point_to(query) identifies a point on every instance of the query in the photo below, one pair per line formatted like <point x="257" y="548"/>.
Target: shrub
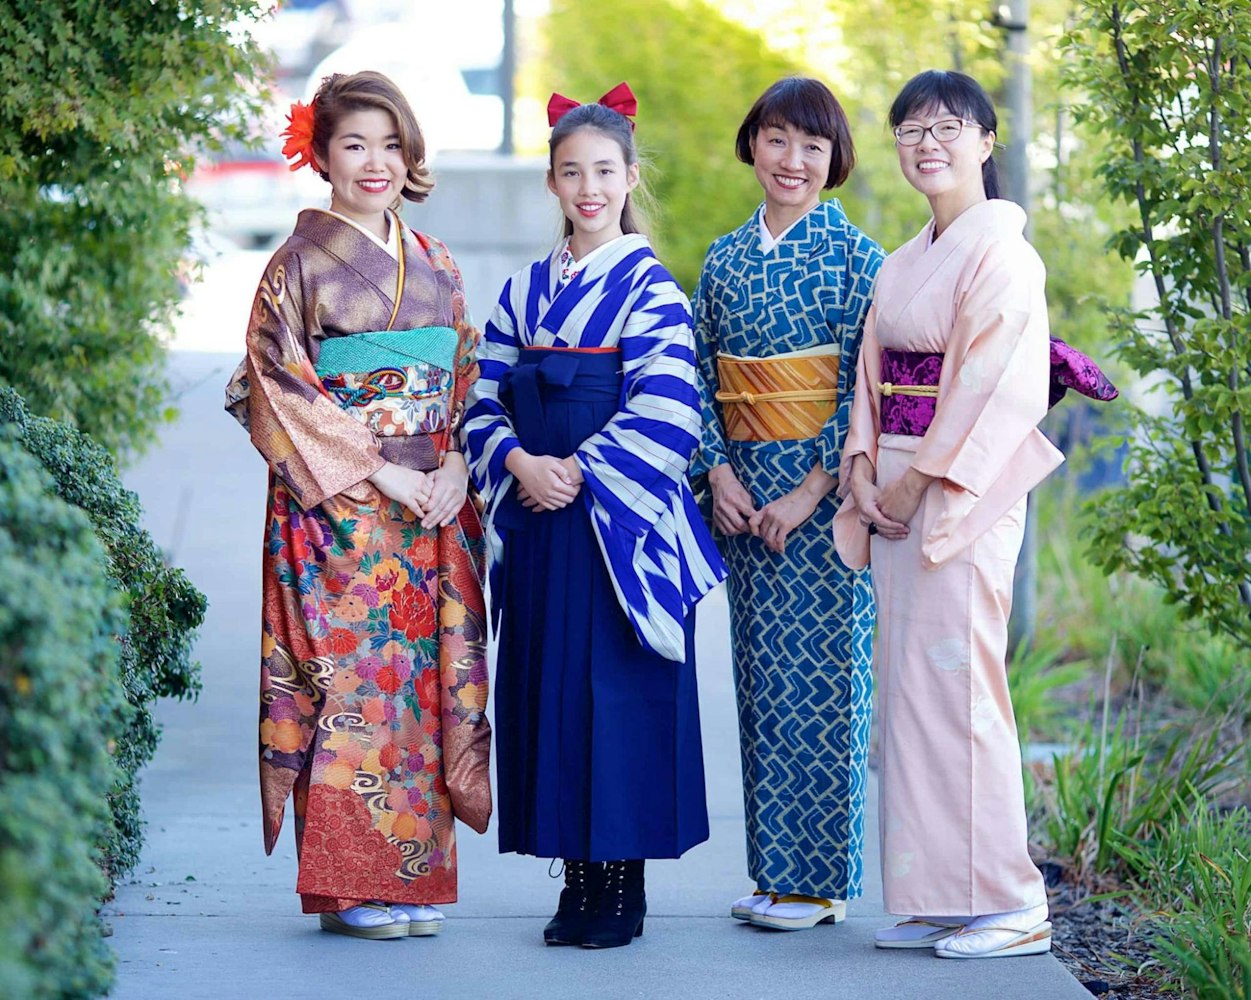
<point x="60" y="712"/>
<point x="1120" y="788"/>
<point x="164" y="608"/>
<point x="101" y="107"/>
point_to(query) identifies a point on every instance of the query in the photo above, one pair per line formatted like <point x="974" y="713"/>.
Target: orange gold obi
<point x="787" y="397"/>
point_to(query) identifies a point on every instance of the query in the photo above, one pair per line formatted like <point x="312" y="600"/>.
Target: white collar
<point x="767" y="240"/>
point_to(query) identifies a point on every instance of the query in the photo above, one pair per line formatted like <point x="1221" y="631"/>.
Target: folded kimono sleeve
<point x="994" y="381"/>
<point x="316" y="448"/>
<point x="633" y="465"/>
<point x="468" y="337"/>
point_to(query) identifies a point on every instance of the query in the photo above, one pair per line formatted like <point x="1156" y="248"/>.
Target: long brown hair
<point x="634" y="217"/>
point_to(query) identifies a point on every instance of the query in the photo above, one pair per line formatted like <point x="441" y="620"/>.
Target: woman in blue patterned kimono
<point x="779" y="315"/>
<point x="579" y="433"/>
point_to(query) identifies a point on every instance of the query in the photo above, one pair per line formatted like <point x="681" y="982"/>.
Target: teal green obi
<point x="396" y="382"/>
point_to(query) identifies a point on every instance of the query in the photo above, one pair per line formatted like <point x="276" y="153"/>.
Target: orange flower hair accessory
<point x="299" y="135"/>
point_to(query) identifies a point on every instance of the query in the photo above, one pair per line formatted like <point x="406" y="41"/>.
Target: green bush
<point x="1169" y="96"/>
<point x="101" y="107"/>
<point x="164" y="608"/>
<point x="60" y="712"/>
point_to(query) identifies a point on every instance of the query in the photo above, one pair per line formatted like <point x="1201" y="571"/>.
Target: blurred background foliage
<point x="102" y="109"/>
<point x="698" y="67"/>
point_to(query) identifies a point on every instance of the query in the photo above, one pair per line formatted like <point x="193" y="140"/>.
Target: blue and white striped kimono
<point x="595" y="674"/>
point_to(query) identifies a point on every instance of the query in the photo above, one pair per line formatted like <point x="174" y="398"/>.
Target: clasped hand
<point x="888" y="510"/>
<point x="435" y="497"/>
<point x="544" y="482"/>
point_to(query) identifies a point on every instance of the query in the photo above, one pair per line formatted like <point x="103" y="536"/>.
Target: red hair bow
<point x="620" y="99"/>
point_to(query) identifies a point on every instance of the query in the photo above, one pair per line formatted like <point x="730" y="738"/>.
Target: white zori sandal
<point x="757" y="902"/>
<point x="1001" y="935"/>
<point x="794" y="912"/>
<point x="423" y="920"/>
<point x="373" y="921"/>
<point x="918" y="932"/>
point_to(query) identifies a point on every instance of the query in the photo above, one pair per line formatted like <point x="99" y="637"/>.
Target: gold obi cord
<point x="785" y="398"/>
<point x="890" y="389"/>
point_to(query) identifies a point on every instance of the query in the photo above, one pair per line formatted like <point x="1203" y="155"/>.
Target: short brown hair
<point x="808" y="105"/>
<point x="342" y="94"/>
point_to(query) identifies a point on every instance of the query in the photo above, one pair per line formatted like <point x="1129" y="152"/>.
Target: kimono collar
<point x="803" y="238"/>
<point x="594" y="264"/>
<point x="995" y="215"/>
<point x="358" y="250"/>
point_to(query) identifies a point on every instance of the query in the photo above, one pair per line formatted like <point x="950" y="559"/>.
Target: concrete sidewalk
<point x="207" y="915"/>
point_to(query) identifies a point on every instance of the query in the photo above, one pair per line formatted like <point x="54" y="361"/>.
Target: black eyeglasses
<point x="947" y="130"/>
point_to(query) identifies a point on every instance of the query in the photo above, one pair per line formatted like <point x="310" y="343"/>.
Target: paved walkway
<point x="207" y="915"/>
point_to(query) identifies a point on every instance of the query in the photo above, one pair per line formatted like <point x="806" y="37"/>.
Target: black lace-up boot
<point x="618" y="919"/>
<point x="578" y="899"/>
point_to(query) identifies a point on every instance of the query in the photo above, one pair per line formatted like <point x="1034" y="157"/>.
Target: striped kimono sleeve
<point x="487" y="431"/>
<point x="712" y="450"/>
<point x="634" y="464"/>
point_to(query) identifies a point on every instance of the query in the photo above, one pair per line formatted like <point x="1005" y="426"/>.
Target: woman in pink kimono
<point x="942" y="450"/>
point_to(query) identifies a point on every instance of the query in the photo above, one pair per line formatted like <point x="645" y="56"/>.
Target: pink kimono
<point x="968" y="306"/>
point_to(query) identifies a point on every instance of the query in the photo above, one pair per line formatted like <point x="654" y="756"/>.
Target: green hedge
<point x="102" y="106"/>
<point x="60" y="710"/>
<point x="94" y="626"/>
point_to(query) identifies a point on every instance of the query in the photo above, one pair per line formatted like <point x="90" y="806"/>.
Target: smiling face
<point x="792" y="168"/>
<point x="366" y="167"/>
<point x="945" y="170"/>
<point x="591" y="178"/>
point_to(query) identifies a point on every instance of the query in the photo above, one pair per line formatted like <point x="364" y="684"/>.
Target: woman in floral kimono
<point x="942" y="450"/>
<point x="579" y="433"/>
<point x="778" y="319"/>
<point x="373" y="673"/>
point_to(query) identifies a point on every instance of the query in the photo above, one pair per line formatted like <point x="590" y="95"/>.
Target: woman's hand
<point x="867" y="496"/>
<point x="575" y="473"/>
<point x="406" y="486"/>
<point x="449" y="485"/>
<point x="778" y="518"/>
<point x="899" y="501"/>
<point x="731" y="503"/>
<point x="543" y="481"/>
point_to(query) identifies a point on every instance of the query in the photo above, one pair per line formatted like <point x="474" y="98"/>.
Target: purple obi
<point x="906" y="406"/>
<point x="909" y="386"/>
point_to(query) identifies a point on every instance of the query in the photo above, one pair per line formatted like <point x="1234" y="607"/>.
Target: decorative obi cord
<point x="909" y="386"/>
<point x="783" y="397"/>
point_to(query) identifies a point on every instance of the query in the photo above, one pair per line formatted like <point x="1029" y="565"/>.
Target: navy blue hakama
<point x="598" y="742"/>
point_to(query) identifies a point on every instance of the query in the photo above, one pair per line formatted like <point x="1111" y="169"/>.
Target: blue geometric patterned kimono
<point x="597" y="716"/>
<point x="802" y="622"/>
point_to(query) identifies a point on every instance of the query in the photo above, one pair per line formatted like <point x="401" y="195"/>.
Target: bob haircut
<point x="960" y="94"/>
<point x="808" y="105"/>
<point x="341" y="95"/>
